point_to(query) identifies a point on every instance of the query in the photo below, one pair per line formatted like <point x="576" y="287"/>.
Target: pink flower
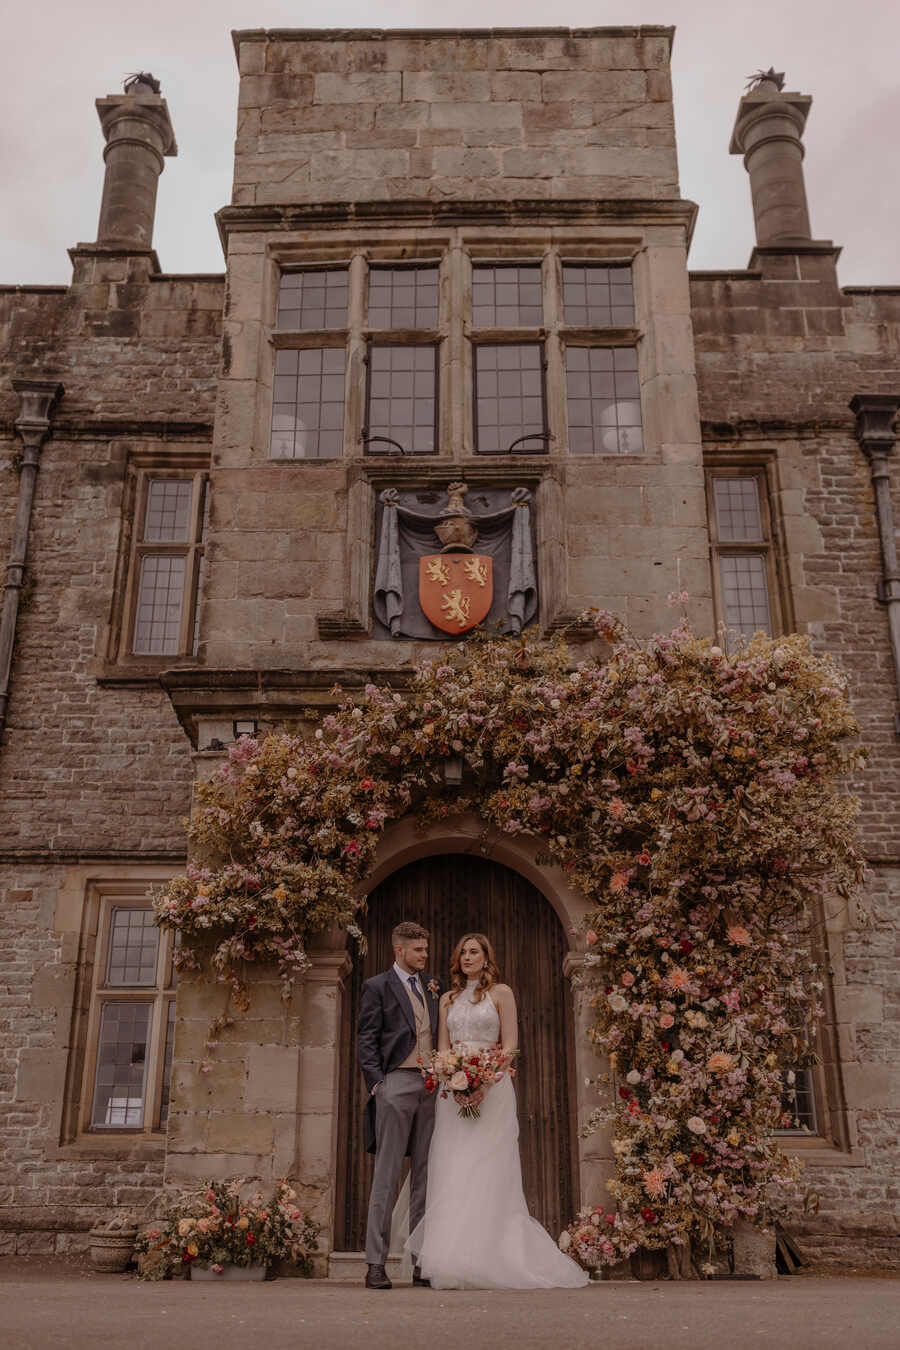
<point x="679" y="979"/>
<point x="739" y="936"/>
<point x="666" y="1020"/>
<point x="720" y="1062"/>
<point x="627" y="979"/>
<point x="654" y="1182"/>
<point x="590" y="937"/>
<point x="617" y="808"/>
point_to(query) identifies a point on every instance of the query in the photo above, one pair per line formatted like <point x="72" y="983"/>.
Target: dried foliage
<point x="694" y="796"/>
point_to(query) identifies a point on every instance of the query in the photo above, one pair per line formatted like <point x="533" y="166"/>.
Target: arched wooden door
<point x="452" y="894"/>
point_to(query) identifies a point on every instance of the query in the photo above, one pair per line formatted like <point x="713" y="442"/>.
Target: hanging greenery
<point x="694" y="796"/>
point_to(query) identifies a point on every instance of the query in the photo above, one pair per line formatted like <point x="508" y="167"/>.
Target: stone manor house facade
<point x="451" y="257"/>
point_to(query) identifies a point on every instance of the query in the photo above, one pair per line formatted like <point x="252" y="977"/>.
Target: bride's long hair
<point x="490" y="973"/>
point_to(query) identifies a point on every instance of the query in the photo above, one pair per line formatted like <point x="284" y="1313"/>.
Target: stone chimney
<point x="138" y="135"/>
<point x="767" y="132"/>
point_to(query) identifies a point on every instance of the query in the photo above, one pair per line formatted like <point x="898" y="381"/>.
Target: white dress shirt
<point x="403" y="977"/>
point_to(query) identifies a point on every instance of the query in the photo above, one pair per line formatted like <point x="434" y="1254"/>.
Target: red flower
<point x="186" y="1256"/>
<point x="625" y="1093"/>
<point x="686" y="946"/>
<point x="430" y="1084"/>
<point x="352" y="848"/>
<point x="648" y="1215"/>
<point x="697" y="1158"/>
<point x="666" y="1045"/>
<point x="250" y="1239"/>
<point x="367" y="784"/>
<point x="251" y="922"/>
<point x="644" y="858"/>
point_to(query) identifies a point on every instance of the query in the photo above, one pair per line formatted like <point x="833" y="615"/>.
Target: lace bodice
<point x="473" y="1023"/>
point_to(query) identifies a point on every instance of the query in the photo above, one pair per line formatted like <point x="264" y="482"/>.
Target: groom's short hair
<point x="408" y="932"/>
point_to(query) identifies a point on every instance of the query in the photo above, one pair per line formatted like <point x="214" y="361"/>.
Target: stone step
<point x="353" y="1266"/>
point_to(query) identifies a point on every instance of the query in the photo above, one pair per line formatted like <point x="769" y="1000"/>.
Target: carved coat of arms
<point x="421" y="593"/>
<point x="456" y="590"/>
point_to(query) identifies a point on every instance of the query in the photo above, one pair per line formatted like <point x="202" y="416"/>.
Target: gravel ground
<point x="45" y="1305"/>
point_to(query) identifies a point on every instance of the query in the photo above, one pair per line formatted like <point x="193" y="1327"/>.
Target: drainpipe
<point x="875" y="414"/>
<point x="37" y="404"/>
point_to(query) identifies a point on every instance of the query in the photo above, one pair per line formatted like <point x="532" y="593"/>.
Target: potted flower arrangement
<point x="212" y="1234"/>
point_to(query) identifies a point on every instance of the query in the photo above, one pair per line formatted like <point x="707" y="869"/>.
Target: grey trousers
<point x="404" y="1118"/>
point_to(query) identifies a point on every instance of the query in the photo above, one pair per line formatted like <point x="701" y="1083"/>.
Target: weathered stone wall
<point x="92" y="766"/>
<point x="781" y="350"/>
<point x="51" y="1189"/>
<point x="138" y="359"/>
<point x="336" y="116"/>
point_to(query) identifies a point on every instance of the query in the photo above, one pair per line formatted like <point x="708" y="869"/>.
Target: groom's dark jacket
<point x="387" y="1032"/>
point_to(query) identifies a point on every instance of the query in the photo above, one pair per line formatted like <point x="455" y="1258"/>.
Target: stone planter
<point x="228" y="1272"/>
<point x="110" y="1253"/>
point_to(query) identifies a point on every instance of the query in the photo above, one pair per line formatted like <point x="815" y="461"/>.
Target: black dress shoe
<point x="419" y="1278"/>
<point x="376" y="1278"/>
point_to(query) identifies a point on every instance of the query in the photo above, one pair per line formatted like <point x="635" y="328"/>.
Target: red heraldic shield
<point x="455" y="589"/>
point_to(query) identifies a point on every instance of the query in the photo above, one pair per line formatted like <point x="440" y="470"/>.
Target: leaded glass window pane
<point x="313" y="300"/>
<point x="402" y="398"/>
<point x="308" y="404"/>
<point x="507" y="297"/>
<point x="603" y="400"/>
<point x="160" y="600"/>
<point x="596" y="296"/>
<point x="168" y="514"/>
<point x="738" y="518"/>
<point x="119" y="1088"/>
<point x="133" y="948"/>
<point x="799" y="1102"/>
<point x="403" y="297"/>
<point x="509" y="400"/>
<point x="745" y="592"/>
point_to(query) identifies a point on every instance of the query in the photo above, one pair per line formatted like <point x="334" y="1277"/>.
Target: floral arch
<point x="691" y="796"/>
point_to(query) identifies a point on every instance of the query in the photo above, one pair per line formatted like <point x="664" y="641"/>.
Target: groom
<point x="398" y="1019"/>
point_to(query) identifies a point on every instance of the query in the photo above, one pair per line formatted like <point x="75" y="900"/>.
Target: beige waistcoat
<point x="424" y="1045"/>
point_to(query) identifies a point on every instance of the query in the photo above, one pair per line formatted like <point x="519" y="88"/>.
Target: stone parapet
<point x="369" y="116"/>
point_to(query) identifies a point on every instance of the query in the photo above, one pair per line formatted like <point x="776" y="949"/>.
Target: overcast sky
<point x="59" y="55"/>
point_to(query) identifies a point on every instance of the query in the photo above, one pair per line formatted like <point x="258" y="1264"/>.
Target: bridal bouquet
<point x="461" y="1072"/>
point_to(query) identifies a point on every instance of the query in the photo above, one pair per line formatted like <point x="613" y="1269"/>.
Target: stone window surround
<point x="77" y="1137"/>
<point x="762" y="465"/>
<point x="455" y="255"/>
<point x="116" y="657"/>
<point x="834" y="1144"/>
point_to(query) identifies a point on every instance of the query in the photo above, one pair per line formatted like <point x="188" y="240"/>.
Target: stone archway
<point x="420" y="871"/>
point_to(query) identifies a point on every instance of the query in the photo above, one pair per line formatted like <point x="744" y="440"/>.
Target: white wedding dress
<point x="477" y="1232"/>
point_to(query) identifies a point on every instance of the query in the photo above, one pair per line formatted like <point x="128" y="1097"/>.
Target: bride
<point x="477" y="1232"/>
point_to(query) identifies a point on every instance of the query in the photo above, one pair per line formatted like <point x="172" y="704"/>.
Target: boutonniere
<point x="434" y="988"/>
